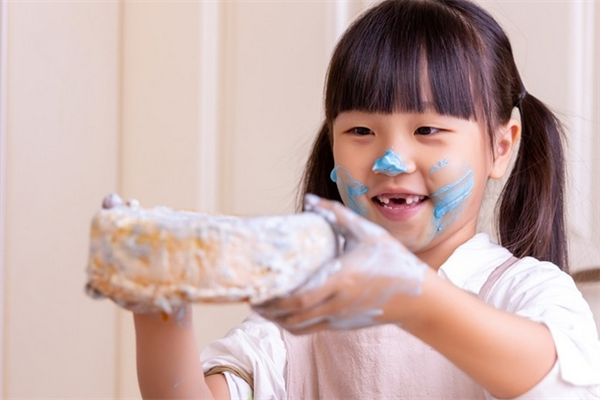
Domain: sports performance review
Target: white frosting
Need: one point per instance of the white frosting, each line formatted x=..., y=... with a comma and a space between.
x=160, y=258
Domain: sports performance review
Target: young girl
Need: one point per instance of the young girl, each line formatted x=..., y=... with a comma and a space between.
x=419, y=103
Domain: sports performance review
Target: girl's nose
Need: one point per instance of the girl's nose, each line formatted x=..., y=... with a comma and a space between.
x=391, y=164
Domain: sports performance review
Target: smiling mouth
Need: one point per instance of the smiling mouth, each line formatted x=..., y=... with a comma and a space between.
x=398, y=200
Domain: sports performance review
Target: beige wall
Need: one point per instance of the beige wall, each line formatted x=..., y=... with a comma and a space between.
x=197, y=105
x=60, y=132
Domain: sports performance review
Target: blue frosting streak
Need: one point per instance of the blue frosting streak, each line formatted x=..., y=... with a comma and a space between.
x=390, y=164
x=441, y=164
x=352, y=189
x=333, y=174
x=450, y=197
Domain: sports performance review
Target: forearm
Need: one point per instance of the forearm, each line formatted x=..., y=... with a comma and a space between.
x=168, y=361
x=504, y=353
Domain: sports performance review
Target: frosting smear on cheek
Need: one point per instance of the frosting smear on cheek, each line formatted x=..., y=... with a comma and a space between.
x=449, y=201
x=439, y=165
x=350, y=189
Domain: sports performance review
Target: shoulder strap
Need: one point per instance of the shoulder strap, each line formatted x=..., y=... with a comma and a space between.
x=494, y=276
x=219, y=369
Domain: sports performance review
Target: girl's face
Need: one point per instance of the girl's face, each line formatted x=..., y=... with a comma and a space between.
x=420, y=176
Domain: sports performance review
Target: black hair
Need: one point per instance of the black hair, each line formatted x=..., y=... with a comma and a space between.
x=452, y=56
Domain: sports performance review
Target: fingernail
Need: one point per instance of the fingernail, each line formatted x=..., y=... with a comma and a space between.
x=112, y=200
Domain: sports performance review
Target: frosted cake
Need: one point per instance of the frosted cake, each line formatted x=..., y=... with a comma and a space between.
x=158, y=259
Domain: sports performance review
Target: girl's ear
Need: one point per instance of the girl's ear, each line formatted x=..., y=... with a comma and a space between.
x=506, y=142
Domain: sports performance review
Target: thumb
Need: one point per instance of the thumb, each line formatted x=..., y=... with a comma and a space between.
x=111, y=201
x=349, y=224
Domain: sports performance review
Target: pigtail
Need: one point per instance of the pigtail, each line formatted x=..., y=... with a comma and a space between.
x=315, y=178
x=531, y=220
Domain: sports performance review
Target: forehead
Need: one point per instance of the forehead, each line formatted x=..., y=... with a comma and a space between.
x=382, y=66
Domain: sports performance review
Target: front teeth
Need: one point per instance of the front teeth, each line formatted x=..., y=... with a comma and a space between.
x=414, y=199
x=408, y=199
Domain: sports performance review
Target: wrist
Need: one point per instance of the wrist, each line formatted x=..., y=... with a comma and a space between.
x=181, y=317
x=413, y=312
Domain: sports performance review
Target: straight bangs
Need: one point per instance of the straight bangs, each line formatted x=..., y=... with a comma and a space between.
x=409, y=56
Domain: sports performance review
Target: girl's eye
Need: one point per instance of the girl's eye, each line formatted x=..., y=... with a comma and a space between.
x=361, y=131
x=426, y=130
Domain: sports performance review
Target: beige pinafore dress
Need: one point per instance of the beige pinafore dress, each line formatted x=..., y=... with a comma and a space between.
x=382, y=362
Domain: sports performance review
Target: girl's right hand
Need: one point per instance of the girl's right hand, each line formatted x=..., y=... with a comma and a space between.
x=114, y=200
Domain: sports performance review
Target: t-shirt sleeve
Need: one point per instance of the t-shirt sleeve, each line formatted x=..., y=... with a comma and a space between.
x=542, y=293
x=238, y=387
x=255, y=347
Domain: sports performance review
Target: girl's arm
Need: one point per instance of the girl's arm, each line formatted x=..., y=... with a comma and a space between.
x=506, y=354
x=168, y=361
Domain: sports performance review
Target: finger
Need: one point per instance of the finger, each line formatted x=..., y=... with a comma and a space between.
x=320, y=277
x=344, y=220
x=328, y=324
x=329, y=316
x=314, y=203
x=279, y=309
x=319, y=288
x=305, y=318
x=111, y=201
x=349, y=307
x=315, y=291
x=320, y=322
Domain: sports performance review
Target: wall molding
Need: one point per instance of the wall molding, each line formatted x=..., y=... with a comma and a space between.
x=3, y=141
x=338, y=15
x=208, y=113
x=582, y=142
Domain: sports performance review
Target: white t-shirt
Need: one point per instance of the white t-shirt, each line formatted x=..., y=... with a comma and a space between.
x=536, y=290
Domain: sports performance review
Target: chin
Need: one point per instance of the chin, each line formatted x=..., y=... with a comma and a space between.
x=415, y=242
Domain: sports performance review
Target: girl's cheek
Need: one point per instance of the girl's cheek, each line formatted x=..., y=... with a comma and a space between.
x=455, y=185
x=351, y=191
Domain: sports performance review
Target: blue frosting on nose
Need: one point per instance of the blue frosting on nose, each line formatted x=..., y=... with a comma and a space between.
x=390, y=164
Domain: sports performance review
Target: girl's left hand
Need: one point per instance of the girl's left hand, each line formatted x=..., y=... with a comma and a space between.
x=353, y=290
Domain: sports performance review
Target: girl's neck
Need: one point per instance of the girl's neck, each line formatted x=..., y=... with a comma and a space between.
x=439, y=253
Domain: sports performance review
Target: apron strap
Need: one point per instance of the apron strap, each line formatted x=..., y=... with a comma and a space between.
x=494, y=276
